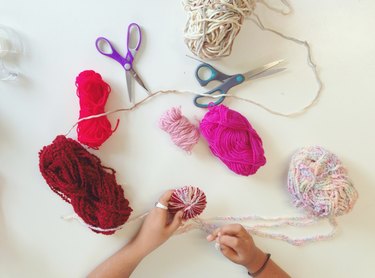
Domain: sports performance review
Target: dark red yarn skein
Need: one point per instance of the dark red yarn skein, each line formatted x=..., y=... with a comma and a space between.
x=78, y=177
x=93, y=93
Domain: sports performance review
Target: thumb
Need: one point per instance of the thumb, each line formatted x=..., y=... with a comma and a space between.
x=176, y=222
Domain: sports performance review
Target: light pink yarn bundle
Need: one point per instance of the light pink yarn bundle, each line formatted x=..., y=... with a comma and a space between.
x=183, y=133
x=233, y=140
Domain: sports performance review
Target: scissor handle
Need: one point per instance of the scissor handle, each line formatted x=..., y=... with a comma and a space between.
x=134, y=29
x=233, y=80
x=109, y=50
x=214, y=74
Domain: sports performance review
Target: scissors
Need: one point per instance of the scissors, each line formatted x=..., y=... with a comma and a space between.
x=228, y=81
x=105, y=47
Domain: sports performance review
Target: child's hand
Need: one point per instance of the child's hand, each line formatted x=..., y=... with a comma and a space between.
x=158, y=226
x=237, y=245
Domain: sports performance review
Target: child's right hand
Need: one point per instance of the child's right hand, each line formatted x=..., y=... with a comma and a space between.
x=238, y=246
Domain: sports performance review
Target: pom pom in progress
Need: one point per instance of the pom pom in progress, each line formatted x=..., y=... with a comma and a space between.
x=79, y=178
x=318, y=182
x=93, y=93
x=233, y=140
x=190, y=199
x=213, y=25
x=183, y=133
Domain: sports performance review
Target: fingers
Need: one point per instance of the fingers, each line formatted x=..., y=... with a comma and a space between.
x=213, y=235
x=231, y=229
x=228, y=252
x=230, y=241
x=164, y=199
x=176, y=222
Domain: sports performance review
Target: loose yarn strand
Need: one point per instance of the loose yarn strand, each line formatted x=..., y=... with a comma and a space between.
x=281, y=11
x=153, y=95
x=98, y=229
x=208, y=227
x=311, y=64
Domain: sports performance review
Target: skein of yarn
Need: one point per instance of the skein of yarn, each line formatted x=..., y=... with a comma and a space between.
x=233, y=140
x=318, y=182
x=183, y=133
x=190, y=199
x=213, y=25
x=93, y=93
x=78, y=177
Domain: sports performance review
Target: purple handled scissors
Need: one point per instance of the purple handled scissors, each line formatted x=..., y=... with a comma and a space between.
x=134, y=38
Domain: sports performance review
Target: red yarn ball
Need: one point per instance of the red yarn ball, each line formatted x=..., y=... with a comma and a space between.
x=190, y=199
x=78, y=177
x=93, y=93
x=233, y=140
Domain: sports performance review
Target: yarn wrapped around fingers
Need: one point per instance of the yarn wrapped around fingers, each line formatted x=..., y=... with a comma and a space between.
x=319, y=183
x=233, y=140
x=190, y=199
x=78, y=177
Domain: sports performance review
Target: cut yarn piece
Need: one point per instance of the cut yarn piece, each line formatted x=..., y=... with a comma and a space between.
x=190, y=199
x=93, y=93
x=80, y=179
x=213, y=25
x=183, y=133
x=233, y=140
x=317, y=182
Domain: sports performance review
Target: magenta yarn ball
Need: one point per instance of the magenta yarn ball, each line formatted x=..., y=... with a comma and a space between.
x=233, y=140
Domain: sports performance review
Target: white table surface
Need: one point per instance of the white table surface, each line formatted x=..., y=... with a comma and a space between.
x=59, y=43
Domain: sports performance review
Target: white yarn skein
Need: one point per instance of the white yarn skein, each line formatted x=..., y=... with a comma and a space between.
x=213, y=25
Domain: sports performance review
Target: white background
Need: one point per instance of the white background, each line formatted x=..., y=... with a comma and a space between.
x=59, y=41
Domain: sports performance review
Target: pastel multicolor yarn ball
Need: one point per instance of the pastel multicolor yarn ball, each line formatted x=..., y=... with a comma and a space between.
x=318, y=182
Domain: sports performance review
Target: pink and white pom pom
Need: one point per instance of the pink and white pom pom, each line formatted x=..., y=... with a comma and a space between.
x=190, y=199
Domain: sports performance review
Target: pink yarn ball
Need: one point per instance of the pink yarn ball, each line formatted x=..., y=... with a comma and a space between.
x=233, y=140
x=190, y=199
x=183, y=133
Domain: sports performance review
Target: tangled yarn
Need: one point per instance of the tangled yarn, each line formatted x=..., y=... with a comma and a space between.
x=318, y=182
x=93, y=93
x=213, y=25
x=233, y=140
x=78, y=177
x=191, y=199
x=183, y=133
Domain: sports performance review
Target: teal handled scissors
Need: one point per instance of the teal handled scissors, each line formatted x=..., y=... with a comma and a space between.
x=126, y=62
x=228, y=81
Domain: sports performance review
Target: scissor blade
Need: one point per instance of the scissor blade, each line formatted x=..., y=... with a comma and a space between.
x=268, y=72
x=129, y=86
x=255, y=72
x=139, y=80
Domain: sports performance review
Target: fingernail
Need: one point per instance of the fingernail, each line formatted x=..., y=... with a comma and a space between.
x=209, y=237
